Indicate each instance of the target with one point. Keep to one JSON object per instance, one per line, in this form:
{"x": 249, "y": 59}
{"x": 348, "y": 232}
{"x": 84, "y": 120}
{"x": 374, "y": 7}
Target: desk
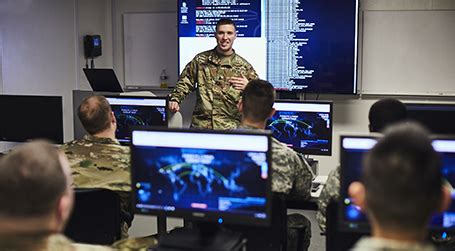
{"x": 310, "y": 204}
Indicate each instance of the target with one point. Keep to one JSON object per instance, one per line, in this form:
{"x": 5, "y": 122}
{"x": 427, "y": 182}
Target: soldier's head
{"x": 386, "y": 112}
{"x": 257, "y": 101}
{"x": 35, "y": 189}
{"x": 401, "y": 174}
{"x": 96, "y": 115}
{"x": 225, "y": 34}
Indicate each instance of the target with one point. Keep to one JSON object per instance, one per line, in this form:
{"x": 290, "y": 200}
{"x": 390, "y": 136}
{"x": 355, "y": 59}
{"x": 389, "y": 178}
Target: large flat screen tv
{"x": 302, "y": 46}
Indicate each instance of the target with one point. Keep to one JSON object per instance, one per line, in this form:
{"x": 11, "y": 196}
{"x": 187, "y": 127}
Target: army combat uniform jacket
{"x": 330, "y": 192}
{"x": 216, "y": 100}
{"x": 102, "y": 163}
{"x": 290, "y": 174}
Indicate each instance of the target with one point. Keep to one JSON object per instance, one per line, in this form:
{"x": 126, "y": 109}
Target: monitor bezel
{"x": 212, "y": 217}
{"x": 407, "y": 104}
{"x": 302, "y": 150}
{"x": 166, "y": 98}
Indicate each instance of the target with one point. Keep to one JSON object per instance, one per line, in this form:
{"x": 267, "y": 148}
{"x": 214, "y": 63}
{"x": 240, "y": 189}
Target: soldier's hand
{"x": 174, "y": 106}
{"x": 239, "y": 83}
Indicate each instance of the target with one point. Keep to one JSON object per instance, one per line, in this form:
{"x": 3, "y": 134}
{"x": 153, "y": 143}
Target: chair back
{"x": 95, "y": 218}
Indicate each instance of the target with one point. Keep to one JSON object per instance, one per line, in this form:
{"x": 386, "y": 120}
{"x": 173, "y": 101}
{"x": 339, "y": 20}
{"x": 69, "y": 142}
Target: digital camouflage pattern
{"x": 216, "y": 100}
{"x": 330, "y": 192}
{"x": 290, "y": 174}
{"x": 99, "y": 162}
{"x": 45, "y": 242}
{"x": 102, "y": 163}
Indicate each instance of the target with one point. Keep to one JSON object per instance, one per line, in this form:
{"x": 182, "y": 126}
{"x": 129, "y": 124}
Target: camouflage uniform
{"x": 44, "y": 242}
{"x": 102, "y": 163}
{"x": 330, "y": 192}
{"x": 291, "y": 175}
{"x": 216, "y": 103}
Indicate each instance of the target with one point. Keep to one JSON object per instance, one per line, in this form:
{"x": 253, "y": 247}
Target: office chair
{"x": 337, "y": 240}
{"x": 95, "y": 218}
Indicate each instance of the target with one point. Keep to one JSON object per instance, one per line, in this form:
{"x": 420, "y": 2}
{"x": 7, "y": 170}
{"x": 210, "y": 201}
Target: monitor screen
{"x": 31, "y": 117}
{"x": 137, "y": 111}
{"x": 352, "y": 151}
{"x": 302, "y": 46}
{"x": 438, "y": 118}
{"x": 305, "y": 126}
{"x": 203, "y": 175}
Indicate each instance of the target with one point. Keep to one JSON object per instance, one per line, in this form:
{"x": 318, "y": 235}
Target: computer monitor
{"x": 305, "y": 126}
{"x": 204, "y": 175}
{"x": 438, "y": 118}
{"x": 353, "y": 149}
{"x": 137, "y": 111}
{"x": 31, "y": 117}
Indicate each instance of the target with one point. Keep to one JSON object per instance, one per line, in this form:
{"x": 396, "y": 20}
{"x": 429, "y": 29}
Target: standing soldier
{"x": 219, "y": 77}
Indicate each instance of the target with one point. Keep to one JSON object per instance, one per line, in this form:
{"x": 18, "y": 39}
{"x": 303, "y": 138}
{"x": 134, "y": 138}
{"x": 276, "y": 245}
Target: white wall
{"x": 39, "y": 50}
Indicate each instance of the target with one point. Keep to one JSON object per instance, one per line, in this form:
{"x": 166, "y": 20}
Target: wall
{"x": 39, "y": 50}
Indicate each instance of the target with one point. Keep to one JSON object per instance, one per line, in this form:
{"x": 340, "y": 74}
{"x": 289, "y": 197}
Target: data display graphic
{"x": 170, "y": 179}
{"x": 134, "y": 115}
{"x": 132, "y": 111}
{"x": 304, "y": 126}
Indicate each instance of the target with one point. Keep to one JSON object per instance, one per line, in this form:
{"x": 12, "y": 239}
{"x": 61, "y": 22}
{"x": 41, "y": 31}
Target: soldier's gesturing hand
{"x": 238, "y": 83}
{"x": 174, "y": 106}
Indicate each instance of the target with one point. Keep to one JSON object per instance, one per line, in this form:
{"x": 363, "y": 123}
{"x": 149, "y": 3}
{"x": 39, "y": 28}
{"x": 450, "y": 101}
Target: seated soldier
{"x": 291, "y": 175}
{"x": 401, "y": 187}
{"x": 383, "y": 113}
{"x": 98, "y": 160}
{"x": 36, "y": 199}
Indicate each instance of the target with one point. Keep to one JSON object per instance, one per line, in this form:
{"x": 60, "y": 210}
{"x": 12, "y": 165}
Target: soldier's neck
{"x": 106, "y": 134}
{"x": 254, "y": 124}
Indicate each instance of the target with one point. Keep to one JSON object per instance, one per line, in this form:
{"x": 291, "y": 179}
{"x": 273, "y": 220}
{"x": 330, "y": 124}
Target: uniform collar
{"x": 100, "y": 140}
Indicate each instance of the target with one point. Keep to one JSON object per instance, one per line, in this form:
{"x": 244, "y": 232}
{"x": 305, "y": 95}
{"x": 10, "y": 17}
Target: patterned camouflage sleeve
{"x": 187, "y": 82}
{"x": 303, "y": 178}
{"x": 331, "y": 191}
{"x": 251, "y": 73}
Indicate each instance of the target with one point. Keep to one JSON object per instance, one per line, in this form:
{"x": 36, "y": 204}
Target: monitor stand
{"x": 203, "y": 236}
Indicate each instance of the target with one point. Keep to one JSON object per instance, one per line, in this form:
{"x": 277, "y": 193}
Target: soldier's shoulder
{"x": 240, "y": 60}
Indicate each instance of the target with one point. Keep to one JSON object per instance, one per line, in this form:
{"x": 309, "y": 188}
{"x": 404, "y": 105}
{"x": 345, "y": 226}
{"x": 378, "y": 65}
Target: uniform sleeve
{"x": 302, "y": 179}
{"x": 187, "y": 82}
{"x": 331, "y": 191}
{"x": 251, "y": 73}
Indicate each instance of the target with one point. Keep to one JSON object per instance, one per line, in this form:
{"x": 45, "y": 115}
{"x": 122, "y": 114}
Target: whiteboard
{"x": 408, "y": 52}
{"x": 150, "y": 45}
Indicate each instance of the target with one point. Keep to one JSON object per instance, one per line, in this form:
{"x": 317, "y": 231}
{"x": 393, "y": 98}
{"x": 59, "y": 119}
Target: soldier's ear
{"x": 240, "y": 105}
{"x": 113, "y": 120}
{"x": 272, "y": 112}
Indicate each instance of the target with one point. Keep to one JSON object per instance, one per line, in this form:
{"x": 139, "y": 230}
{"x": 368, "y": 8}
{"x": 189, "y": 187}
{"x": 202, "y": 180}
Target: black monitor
{"x": 31, "y": 117}
{"x": 353, "y": 149}
{"x": 211, "y": 176}
{"x": 103, "y": 80}
{"x": 305, "y": 126}
{"x": 438, "y": 118}
{"x": 132, "y": 111}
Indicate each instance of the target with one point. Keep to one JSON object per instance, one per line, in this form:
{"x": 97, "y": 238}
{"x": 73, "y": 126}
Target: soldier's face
{"x": 225, "y": 36}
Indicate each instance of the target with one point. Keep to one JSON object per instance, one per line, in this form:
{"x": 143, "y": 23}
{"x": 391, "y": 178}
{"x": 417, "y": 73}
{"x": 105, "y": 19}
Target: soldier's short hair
{"x": 386, "y": 112}
{"x": 224, "y": 21}
{"x": 258, "y": 98}
{"x": 94, "y": 114}
{"x": 31, "y": 180}
{"x": 402, "y": 174}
